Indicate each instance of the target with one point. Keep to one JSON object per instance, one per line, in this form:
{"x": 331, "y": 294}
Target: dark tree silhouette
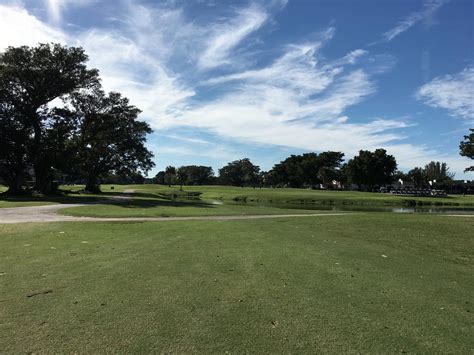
{"x": 30, "y": 78}
{"x": 109, "y": 137}
{"x": 466, "y": 148}
{"x": 240, "y": 173}
{"x": 371, "y": 168}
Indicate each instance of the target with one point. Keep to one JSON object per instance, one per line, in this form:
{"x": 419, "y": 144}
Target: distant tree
{"x": 170, "y": 175}
{"x": 307, "y": 169}
{"x": 109, "y": 138}
{"x": 329, "y": 166}
{"x": 30, "y": 78}
{"x": 160, "y": 178}
{"x": 400, "y": 175}
{"x": 438, "y": 171}
{"x": 240, "y": 173}
{"x": 370, "y": 169}
{"x": 195, "y": 175}
{"x": 132, "y": 178}
{"x": 466, "y": 148}
{"x": 182, "y": 176}
{"x": 418, "y": 177}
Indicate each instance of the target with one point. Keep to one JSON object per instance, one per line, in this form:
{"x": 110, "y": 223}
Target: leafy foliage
{"x": 370, "y": 169}
{"x": 30, "y": 78}
{"x": 240, "y": 173}
{"x": 307, "y": 169}
{"x": 108, "y": 138}
{"x": 98, "y": 136}
{"x": 466, "y": 148}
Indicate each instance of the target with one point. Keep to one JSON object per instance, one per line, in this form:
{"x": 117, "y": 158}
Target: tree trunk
{"x": 93, "y": 185}
{"x": 41, "y": 165}
{"x": 14, "y": 179}
{"x": 15, "y": 186}
{"x": 43, "y": 177}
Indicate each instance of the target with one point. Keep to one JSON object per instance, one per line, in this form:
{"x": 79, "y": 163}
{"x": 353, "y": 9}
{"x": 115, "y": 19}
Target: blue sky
{"x": 223, "y": 80}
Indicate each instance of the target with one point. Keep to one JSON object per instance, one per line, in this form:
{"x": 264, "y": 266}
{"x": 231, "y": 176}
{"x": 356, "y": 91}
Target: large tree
{"x": 438, "y": 171}
{"x": 466, "y": 148}
{"x": 418, "y": 177}
{"x": 109, "y": 138}
{"x": 195, "y": 175}
{"x": 369, "y": 169}
{"x": 14, "y": 136}
{"x": 30, "y": 78}
{"x": 170, "y": 175}
{"x": 307, "y": 169}
{"x": 240, "y": 173}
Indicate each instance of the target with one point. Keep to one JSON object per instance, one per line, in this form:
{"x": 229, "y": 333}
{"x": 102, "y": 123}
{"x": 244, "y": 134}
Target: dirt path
{"x": 48, "y": 213}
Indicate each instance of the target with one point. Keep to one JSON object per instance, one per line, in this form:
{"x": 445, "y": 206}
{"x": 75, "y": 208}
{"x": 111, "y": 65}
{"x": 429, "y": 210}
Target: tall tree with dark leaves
{"x": 240, "y": 173}
{"x": 170, "y": 175}
{"x": 30, "y": 78}
{"x": 466, "y": 148}
{"x": 14, "y": 137}
{"x": 438, "y": 171}
{"x": 369, "y": 169}
{"x": 109, "y": 137}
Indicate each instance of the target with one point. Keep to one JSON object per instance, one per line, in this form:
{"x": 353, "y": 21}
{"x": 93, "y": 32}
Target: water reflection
{"x": 353, "y": 208}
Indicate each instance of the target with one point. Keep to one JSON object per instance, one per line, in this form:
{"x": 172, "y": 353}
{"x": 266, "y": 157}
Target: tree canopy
{"x": 240, "y": 173}
{"x": 307, "y": 169}
{"x": 466, "y": 148}
{"x": 370, "y": 169}
{"x": 97, "y": 134}
{"x": 108, "y": 138}
{"x": 30, "y": 78}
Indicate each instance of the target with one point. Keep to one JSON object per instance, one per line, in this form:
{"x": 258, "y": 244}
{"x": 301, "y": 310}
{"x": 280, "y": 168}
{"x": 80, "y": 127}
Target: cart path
{"x": 48, "y": 213}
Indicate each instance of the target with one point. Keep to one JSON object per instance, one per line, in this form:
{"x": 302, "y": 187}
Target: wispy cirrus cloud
{"x": 226, "y": 36}
{"x": 425, "y": 14}
{"x": 56, "y": 7}
{"x": 454, "y": 93}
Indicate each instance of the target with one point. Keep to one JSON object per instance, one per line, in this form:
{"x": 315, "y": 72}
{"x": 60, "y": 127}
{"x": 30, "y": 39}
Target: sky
{"x": 220, "y": 80}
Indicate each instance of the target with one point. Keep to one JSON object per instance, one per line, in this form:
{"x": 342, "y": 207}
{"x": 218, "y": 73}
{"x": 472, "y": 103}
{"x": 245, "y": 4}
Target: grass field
{"x": 162, "y": 201}
{"x": 294, "y": 195}
{"x": 162, "y": 194}
{"x": 166, "y": 208}
{"x": 370, "y": 283}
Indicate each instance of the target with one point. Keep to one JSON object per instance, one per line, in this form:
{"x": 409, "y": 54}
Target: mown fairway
{"x": 357, "y": 283}
{"x": 146, "y": 195}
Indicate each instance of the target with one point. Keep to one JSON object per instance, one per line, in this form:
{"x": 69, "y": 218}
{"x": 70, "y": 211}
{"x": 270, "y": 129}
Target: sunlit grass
{"x": 365, "y": 283}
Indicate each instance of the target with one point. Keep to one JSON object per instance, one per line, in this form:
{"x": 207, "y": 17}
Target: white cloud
{"x": 426, "y": 13}
{"x": 226, "y": 36}
{"x": 18, "y": 27}
{"x": 454, "y": 93}
{"x": 184, "y": 138}
{"x": 56, "y": 7}
{"x": 299, "y": 100}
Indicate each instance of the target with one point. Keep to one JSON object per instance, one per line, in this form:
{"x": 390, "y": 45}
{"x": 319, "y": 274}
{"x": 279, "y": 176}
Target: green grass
{"x": 143, "y": 193}
{"x": 140, "y": 207}
{"x": 160, "y": 201}
{"x": 217, "y": 286}
{"x": 295, "y": 195}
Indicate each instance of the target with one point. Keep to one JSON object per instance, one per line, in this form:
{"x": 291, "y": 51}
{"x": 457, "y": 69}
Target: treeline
{"x": 57, "y": 125}
{"x": 92, "y": 135}
{"x": 366, "y": 171}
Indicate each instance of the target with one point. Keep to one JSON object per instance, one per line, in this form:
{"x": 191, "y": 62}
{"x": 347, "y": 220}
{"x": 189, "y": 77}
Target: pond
{"x": 353, "y": 208}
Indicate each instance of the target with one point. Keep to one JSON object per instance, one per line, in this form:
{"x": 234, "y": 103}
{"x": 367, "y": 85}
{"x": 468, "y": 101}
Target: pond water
{"x": 354, "y": 208}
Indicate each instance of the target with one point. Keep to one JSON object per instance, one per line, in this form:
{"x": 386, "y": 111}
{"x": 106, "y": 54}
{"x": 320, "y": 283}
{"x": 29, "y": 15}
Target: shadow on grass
{"x": 126, "y": 200}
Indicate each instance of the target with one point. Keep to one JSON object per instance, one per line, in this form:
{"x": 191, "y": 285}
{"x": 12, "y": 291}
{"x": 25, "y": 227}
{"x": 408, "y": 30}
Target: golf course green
{"x": 354, "y": 283}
